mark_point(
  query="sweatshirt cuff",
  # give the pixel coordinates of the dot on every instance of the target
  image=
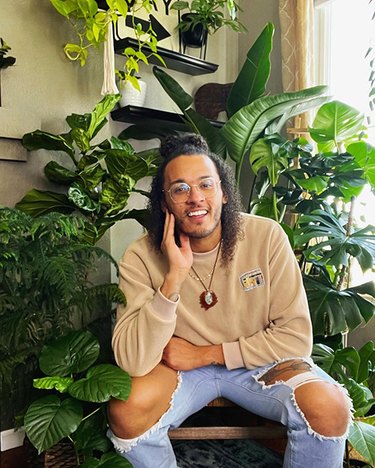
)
(232, 355)
(163, 307)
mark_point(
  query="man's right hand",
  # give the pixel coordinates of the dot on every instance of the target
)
(179, 259)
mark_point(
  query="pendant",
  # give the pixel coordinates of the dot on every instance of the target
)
(207, 299)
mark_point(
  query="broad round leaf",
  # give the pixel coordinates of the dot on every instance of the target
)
(70, 354)
(336, 122)
(49, 420)
(102, 382)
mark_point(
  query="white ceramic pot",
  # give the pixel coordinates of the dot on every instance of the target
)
(131, 96)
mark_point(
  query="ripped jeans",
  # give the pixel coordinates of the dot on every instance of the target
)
(196, 388)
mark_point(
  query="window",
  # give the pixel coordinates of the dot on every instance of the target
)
(344, 30)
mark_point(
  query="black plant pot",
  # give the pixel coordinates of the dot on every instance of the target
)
(195, 37)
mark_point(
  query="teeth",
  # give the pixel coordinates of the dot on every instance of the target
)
(197, 213)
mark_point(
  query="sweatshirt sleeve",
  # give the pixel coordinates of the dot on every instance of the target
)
(145, 325)
(289, 330)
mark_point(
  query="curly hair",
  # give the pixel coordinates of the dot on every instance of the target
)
(231, 224)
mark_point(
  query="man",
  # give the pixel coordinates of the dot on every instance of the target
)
(216, 307)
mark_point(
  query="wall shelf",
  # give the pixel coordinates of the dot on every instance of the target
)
(174, 60)
(144, 115)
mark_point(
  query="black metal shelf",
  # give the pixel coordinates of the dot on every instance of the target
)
(145, 115)
(174, 60)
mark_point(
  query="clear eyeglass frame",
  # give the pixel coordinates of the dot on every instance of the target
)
(179, 192)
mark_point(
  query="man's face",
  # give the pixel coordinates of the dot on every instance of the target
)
(199, 216)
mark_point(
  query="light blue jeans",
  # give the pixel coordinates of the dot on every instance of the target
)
(196, 388)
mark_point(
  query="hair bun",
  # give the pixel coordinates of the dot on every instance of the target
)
(189, 143)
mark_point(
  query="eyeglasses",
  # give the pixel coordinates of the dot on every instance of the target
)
(180, 191)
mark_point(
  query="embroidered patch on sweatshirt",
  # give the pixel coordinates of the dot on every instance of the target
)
(252, 279)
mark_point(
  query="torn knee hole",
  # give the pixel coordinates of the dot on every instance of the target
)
(284, 371)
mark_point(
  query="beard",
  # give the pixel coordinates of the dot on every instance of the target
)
(199, 232)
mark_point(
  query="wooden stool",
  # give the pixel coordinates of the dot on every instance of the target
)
(249, 426)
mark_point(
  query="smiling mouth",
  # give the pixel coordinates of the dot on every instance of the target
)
(192, 214)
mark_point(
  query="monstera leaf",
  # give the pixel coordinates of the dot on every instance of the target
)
(334, 311)
(336, 123)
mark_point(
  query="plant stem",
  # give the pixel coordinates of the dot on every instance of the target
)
(345, 270)
(89, 415)
(275, 210)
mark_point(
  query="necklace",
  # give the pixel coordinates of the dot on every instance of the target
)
(207, 298)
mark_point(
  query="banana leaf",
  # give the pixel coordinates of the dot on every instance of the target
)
(246, 125)
(253, 77)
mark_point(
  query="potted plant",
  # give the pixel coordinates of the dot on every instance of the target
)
(132, 94)
(103, 177)
(46, 290)
(5, 61)
(73, 411)
(203, 17)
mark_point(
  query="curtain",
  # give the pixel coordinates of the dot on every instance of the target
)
(297, 44)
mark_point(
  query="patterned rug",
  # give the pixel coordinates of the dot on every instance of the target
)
(225, 454)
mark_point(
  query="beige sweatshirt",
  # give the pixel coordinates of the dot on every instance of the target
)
(261, 316)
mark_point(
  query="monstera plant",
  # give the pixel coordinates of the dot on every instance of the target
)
(98, 178)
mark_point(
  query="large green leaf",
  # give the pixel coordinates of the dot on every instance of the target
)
(60, 384)
(173, 89)
(59, 174)
(336, 123)
(362, 438)
(100, 112)
(253, 77)
(108, 460)
(121, 165)
(334, 311)
(196, 122)
(44, 140)
(39, 202)
(364, 155)
(245, 126)
(102, 382)
(70, 354)
(338, 246)
(49, 420)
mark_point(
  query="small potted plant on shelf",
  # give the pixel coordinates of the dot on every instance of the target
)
(203, 17)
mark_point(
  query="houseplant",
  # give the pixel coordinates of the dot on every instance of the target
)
(319, 194)
(203, 17)
(71, 379)
(103, 174)
(355, 369)
(5, 61)
(91, 20)
(46, 290)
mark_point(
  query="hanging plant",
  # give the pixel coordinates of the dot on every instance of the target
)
(91, 19)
